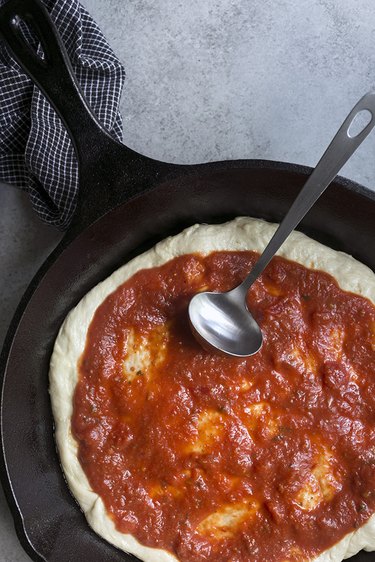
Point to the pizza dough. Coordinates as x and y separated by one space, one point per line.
240 234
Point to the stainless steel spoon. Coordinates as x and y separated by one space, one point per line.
222 321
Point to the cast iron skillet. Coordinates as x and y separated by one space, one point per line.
127 203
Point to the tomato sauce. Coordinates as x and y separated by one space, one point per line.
219 459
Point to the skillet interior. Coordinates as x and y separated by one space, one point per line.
48 521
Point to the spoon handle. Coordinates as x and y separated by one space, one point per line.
338 152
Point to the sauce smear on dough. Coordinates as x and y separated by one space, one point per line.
219 459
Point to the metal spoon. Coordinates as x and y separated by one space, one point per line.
222 321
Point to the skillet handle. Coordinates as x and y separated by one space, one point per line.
97 152
53 75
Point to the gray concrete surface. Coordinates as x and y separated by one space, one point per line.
209 81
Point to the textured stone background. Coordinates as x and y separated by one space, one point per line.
213 80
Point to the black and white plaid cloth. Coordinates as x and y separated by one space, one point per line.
36 153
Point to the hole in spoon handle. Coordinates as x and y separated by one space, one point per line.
359 123
360 120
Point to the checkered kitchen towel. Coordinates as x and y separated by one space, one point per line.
36 153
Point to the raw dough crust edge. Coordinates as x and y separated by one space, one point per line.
242 233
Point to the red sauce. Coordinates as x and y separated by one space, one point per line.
314 384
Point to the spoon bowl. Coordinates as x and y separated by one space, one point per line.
221 321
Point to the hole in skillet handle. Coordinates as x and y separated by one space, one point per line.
359 123
26 31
